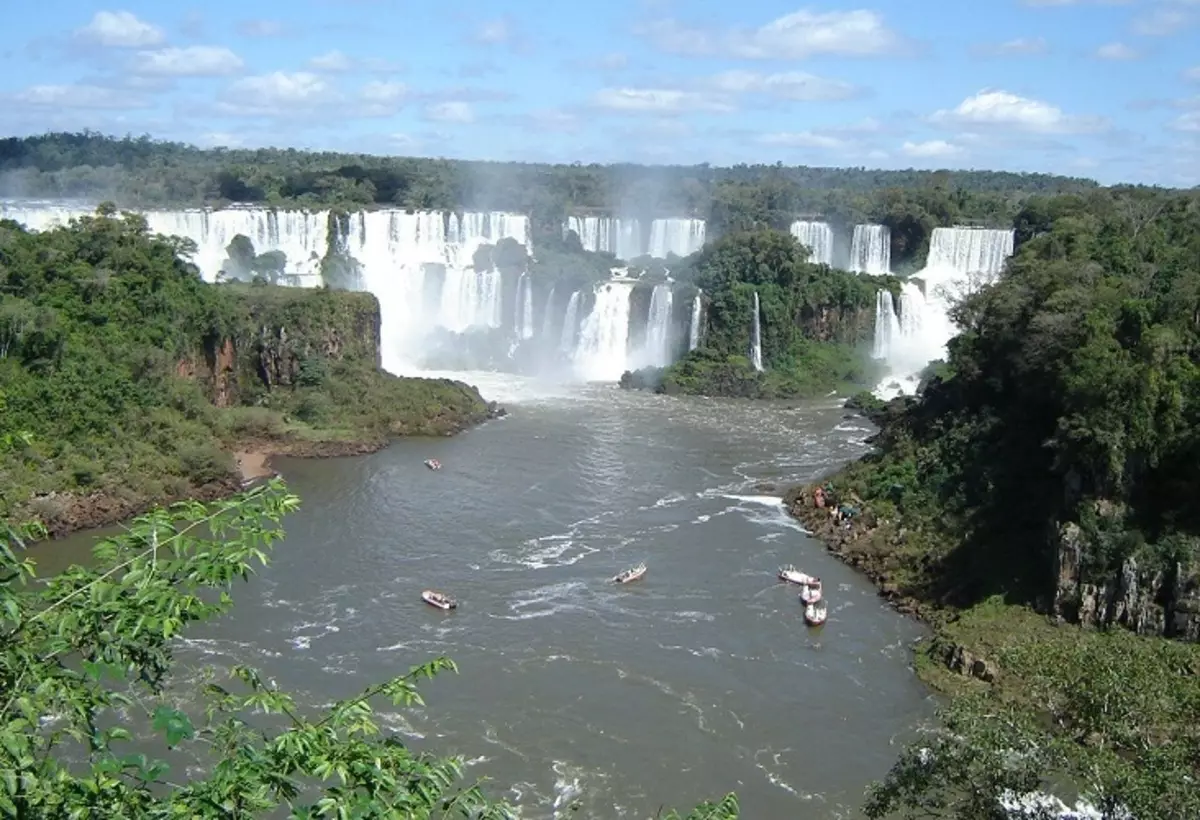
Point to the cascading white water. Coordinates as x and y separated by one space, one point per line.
657 352
604 337
394 248
608 234
523 316
887 326
623 237
570 324
681 237
302 236
694 325
817 237
548 315
756 336
961 260
871 250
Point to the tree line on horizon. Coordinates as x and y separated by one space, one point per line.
143 172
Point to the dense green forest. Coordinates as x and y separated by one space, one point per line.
136 379
1051 465
816 323
141 172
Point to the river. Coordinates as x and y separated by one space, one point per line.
700 679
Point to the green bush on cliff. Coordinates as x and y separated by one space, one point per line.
93 642
815 321
112 351
1054 462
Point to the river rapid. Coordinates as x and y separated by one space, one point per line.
574 692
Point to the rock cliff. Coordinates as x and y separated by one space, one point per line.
278 336
1147 600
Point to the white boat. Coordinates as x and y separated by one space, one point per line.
632 574
794 576
439 599
811 593
815 614
433 464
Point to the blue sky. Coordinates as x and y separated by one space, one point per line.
1102 88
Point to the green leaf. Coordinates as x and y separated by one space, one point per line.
175 724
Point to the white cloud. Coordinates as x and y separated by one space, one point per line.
279 94
454 111
790 85
802 139
553 120
330 61
1002 109
261 28
796 36
1192 74
120 29
1021 46
1189 122
658 101
931 149
494 31
190 61
1162 22
1116 51
612 62
384 93
78 96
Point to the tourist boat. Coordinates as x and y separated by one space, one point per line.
815 614
433 464
631 574
811 593
439 599
794 576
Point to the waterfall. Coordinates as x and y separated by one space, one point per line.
681 237
694 325
608 234
887 325
979 251
604 337
818 238
658 328
961 260
756 337
871 250
570 324
623 237
523 315
548 315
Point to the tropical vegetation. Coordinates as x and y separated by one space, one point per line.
1049 468
137 379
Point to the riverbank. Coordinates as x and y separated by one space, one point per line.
242 461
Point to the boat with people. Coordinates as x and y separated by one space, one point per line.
433 464
811 593
634 573
792 575
439 599
815 613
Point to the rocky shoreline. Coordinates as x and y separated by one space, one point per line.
252 462
855 542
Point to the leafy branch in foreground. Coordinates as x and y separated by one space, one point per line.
86 654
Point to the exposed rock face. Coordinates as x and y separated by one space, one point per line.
838 324
1145 600
276 335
